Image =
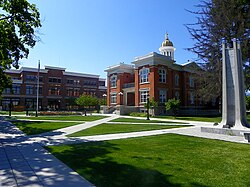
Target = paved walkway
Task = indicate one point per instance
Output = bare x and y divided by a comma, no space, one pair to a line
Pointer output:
29,164
24,162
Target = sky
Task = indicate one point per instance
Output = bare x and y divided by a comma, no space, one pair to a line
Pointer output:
87,36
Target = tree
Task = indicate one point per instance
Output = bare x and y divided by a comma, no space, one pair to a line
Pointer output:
151,103
86,101
174,105
18,21
217,19
248,102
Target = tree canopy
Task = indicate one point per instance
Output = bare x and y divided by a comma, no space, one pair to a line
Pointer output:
174,105
217,20
18,21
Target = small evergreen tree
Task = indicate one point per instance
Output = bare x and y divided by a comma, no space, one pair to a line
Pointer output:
174,105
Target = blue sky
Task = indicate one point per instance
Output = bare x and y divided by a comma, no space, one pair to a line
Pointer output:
87,36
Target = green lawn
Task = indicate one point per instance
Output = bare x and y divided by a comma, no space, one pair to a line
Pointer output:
64,118
107,128
37,127
133,120
205,119
165,160
12,113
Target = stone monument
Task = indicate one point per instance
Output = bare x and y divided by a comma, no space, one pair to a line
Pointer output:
234,121
233,89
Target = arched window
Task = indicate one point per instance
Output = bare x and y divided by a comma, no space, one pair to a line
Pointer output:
176,80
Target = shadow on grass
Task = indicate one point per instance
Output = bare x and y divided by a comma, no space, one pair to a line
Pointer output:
93,161
23,126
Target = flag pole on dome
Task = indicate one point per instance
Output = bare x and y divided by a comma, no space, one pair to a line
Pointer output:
37,89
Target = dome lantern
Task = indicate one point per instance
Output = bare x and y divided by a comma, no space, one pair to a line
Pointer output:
167,48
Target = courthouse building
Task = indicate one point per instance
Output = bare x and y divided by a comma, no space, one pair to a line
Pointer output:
57,88
155,75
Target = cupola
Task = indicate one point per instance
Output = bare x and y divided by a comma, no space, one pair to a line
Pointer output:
167,48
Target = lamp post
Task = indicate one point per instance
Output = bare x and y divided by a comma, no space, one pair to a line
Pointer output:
10,106
105,103
148,107
105,96
120,94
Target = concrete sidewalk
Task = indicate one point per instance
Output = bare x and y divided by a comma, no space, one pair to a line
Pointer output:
29,164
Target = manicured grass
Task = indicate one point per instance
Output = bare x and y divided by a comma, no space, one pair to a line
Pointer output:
133,120
165,160
37,127
205,119
12,113
107,128
65,118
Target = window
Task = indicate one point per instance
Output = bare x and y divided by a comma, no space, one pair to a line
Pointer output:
89,83
143,96
6,103
31,103
177,95
70,92
40,90
113,98
54,91
191,98
7,91
30,78
55,80
73,82
16,89
102,83
176,80
113,80
76,92
33,78
144,75
162,75
29,90
162,96
191,81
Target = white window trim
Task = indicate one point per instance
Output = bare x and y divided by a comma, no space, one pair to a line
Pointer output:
165,93
140,72
162,74
147,96
115,77
113,94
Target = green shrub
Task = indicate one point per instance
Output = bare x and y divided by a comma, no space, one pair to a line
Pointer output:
56,113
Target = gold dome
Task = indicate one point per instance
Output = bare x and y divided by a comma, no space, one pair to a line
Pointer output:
167,42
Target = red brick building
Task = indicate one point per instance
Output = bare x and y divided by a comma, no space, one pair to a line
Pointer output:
155,76
57,88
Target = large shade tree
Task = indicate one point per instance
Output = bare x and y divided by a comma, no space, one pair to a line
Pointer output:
217,20
18,23
86,101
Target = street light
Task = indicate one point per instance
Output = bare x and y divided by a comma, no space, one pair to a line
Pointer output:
120,94
148,107
104,95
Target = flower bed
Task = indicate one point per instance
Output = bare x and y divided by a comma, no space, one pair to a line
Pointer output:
56,113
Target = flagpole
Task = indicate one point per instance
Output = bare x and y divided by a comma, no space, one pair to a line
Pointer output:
37,89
